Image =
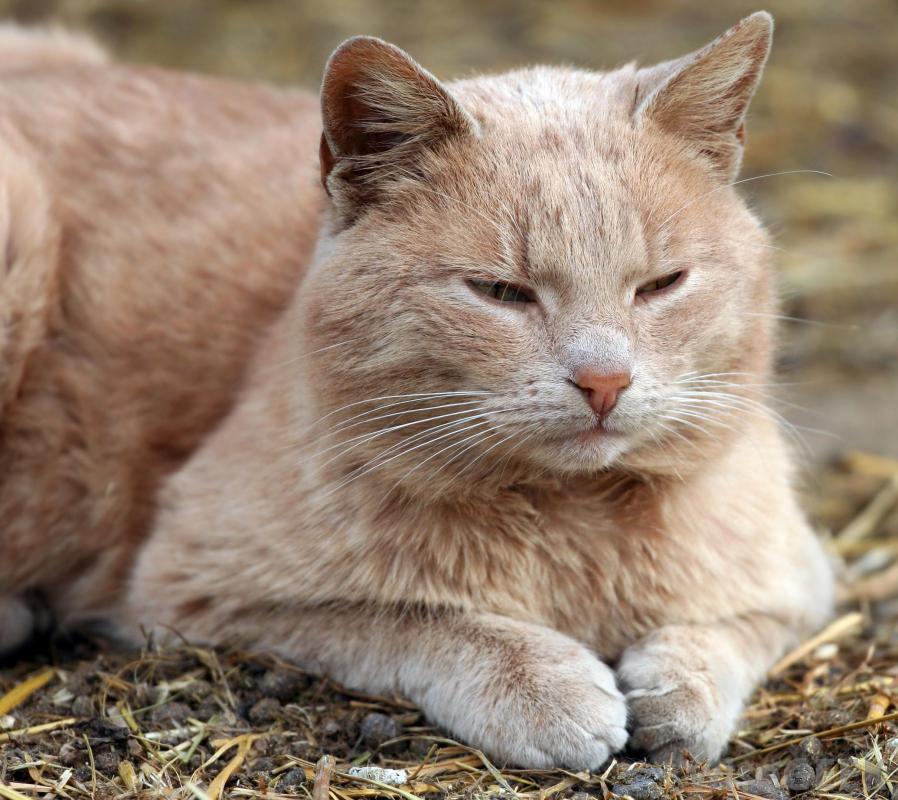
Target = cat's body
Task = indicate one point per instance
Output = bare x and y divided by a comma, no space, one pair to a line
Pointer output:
180,242
428,489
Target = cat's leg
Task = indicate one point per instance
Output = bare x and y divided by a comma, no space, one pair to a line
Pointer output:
16,623
686,684
525,694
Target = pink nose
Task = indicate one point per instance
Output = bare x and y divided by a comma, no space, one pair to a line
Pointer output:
601,388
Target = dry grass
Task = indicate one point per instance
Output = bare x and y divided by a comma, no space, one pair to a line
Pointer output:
196,723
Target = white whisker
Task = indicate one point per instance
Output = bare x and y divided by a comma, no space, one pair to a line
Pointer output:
416,395
716,189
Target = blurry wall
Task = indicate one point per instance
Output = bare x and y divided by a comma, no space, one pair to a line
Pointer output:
829,102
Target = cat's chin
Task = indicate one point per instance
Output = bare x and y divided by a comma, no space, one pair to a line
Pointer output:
587,451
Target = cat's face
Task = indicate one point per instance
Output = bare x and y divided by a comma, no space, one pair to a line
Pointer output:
575,286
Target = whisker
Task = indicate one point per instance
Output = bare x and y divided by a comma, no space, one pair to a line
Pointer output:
364,419
749,403
414,395
707,418
490,448
710,390
803,321
364,438
743,180
378,461
301,356
672,417
482,434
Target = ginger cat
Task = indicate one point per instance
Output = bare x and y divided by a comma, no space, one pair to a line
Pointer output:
505,450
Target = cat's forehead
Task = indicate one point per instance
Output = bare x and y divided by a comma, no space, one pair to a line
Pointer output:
556,138
559,169
561,220
539,95
567,184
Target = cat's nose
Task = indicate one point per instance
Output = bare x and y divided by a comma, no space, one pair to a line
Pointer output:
601,388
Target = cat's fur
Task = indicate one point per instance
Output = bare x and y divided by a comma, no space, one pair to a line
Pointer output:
537,586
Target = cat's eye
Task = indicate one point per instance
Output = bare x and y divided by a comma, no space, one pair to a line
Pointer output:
501,291
657,285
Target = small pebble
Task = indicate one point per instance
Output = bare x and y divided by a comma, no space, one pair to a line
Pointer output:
652,771
421,747
283,684
640,787
200,689
264,765
83,706
106,761
379,728
265,711
837,717
207,709
173,714
810,748
82,774
800,776
763,788
291,779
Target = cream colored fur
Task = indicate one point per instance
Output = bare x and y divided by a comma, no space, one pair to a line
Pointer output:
410,492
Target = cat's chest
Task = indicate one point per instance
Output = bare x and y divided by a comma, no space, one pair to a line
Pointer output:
604,572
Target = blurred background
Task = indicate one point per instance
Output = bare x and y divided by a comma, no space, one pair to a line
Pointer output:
829,102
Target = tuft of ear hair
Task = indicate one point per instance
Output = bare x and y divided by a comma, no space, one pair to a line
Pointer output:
703,97
381,113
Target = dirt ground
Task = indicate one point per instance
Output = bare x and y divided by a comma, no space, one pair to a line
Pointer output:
77,721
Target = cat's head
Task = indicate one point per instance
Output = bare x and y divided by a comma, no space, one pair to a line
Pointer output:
547,268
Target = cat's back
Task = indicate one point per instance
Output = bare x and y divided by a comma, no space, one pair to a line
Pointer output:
186,204
170,218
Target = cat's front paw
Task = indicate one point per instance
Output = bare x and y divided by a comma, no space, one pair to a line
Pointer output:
676,703
562,714
539,700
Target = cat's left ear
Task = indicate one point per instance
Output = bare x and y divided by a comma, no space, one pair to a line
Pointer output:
703,97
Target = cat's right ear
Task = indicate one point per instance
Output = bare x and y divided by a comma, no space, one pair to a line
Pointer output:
381,113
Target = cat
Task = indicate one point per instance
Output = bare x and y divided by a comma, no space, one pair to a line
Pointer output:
504,450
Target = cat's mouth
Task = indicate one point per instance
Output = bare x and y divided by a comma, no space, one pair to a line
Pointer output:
596,433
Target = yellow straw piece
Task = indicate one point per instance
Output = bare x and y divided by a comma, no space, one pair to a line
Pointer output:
11,794
20,693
